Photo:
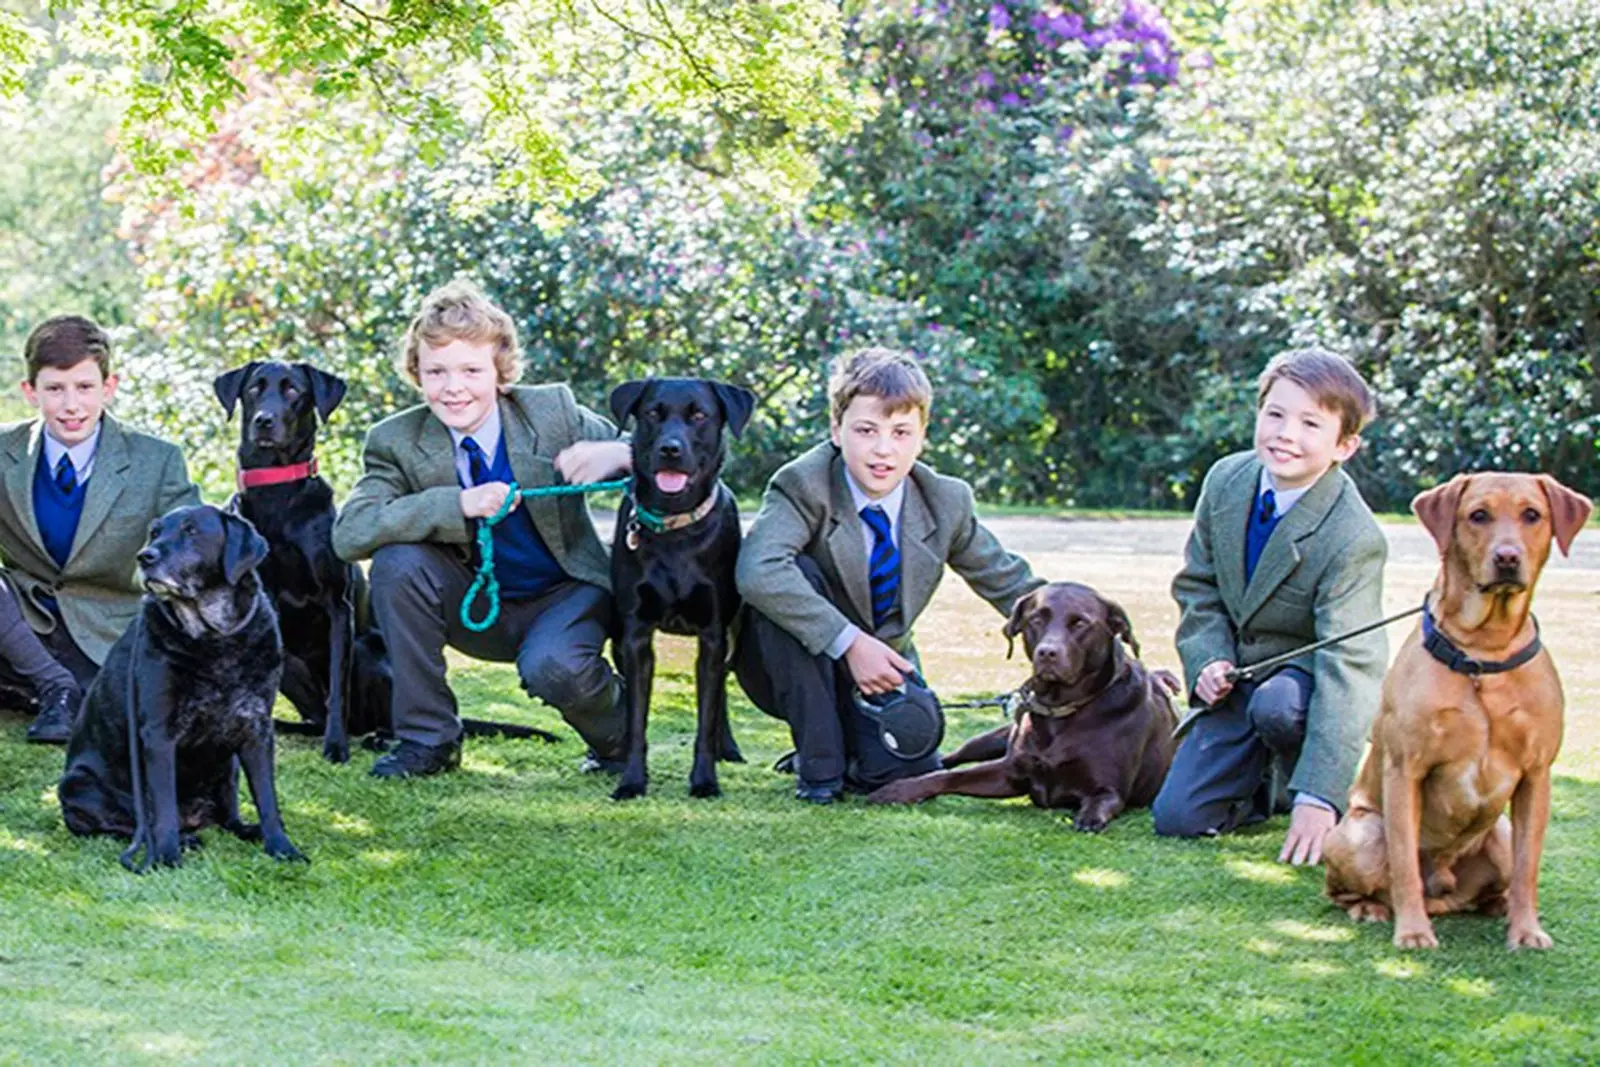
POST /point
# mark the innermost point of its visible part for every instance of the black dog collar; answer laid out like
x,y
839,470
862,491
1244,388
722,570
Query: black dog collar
x,y
1440,648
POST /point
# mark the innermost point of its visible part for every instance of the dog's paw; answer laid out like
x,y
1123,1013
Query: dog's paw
x,y
1091,824
190,843
703,788
1368,911
336,751
1520,937
628,790
244,831
284,851
900,792
1415,937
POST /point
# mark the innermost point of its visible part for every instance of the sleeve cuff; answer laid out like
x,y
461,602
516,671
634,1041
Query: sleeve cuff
x,y
841,644
1315,801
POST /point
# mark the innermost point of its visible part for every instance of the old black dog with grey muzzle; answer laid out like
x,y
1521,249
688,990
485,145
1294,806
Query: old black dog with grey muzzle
x,y
673,558
184,700
335,667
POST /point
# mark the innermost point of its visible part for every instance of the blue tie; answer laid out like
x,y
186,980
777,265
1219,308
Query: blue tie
x,y
883,566
477,462
66,475
1262,522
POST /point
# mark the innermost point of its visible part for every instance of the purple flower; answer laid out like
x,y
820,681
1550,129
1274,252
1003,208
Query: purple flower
x,y
999,17
984,79
1011,100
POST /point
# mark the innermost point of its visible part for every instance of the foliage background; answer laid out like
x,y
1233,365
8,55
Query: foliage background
x,y
1096,221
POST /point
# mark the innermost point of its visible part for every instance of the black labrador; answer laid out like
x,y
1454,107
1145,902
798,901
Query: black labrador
x,y
184,700
673,557
335,668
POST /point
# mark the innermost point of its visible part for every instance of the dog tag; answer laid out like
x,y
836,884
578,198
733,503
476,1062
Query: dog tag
x,y
632,539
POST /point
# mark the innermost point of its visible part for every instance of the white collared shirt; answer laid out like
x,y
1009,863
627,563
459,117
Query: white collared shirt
x,y
1283,498
488,438
893,503
82,453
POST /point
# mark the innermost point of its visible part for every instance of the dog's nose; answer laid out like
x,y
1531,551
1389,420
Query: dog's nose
x,y
1507,558
1047,653
671,449
263,418
146,556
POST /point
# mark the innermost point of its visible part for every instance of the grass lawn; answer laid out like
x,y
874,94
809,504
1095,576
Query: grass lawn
x,y
512,911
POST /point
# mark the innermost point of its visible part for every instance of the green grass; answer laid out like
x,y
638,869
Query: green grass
x,y
512,911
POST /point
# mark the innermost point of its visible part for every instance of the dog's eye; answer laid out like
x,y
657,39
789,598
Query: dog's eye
x,y
1531,516
697,417
1077,622
1478,516
187,529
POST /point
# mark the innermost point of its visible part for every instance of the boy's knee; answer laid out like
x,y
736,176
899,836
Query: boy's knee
x,y
1175,814
1277,710
567,682
400,569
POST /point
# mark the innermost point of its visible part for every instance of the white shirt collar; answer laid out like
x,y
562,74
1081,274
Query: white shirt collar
x,y
82,453
890,504
1284,498
487,435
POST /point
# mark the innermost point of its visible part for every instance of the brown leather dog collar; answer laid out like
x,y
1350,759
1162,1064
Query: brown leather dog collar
x,y
1444,650
1022,702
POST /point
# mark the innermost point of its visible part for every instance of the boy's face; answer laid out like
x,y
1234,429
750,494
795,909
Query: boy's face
x,y
879,446
1297,439
71,399
459,382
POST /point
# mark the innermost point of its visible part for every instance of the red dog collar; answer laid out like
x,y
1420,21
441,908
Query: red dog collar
x,y
295,472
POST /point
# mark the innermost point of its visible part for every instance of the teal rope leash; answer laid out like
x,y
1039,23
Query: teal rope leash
x,y
485,581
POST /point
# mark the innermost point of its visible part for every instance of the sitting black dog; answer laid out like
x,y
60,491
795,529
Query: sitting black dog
x,y
673,557
335,668
184,699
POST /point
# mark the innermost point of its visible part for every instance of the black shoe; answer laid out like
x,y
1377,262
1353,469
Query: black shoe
x,y
411,759
785,763
57,710
594,763
818,792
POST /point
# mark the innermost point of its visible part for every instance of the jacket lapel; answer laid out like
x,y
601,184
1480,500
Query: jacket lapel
x,y
1282,552
521,441
106,482
436,455
1236,496
847,545
920,566
19,485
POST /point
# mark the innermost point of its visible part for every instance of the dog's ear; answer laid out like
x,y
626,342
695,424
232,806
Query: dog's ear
x,y
738,403
1018,620
625,399
1436,509
228,386
327,390
1120,624
1569,510
243,548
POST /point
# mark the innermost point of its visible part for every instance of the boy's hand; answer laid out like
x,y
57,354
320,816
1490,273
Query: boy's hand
x,y
875,666
1213,684
1308,825
484,500
593,461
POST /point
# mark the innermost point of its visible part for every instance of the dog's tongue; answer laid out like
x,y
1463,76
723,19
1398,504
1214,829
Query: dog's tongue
x,y
671,481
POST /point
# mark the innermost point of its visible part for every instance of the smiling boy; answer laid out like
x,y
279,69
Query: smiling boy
x,y
847,550
79,492
1284,552
433,469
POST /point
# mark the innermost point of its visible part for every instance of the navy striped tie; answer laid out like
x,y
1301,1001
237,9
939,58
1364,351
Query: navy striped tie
x,y
883,566
477,462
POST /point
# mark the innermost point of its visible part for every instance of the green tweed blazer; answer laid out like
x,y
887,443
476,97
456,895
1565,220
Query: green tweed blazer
x,y
409,492
1320,574
135,480
808,510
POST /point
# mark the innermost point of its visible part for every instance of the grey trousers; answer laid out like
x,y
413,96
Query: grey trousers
x,y
34,665
557,640
1232,767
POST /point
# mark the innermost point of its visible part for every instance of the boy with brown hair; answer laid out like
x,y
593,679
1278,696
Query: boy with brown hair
x,y
431,470
1284,552
849,545
79,493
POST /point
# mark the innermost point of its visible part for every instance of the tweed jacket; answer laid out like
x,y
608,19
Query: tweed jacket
x,y
1320,574
136,479
409,492
808,509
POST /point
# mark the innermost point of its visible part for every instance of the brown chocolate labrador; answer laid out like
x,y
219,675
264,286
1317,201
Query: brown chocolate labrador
x,y
1092,730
